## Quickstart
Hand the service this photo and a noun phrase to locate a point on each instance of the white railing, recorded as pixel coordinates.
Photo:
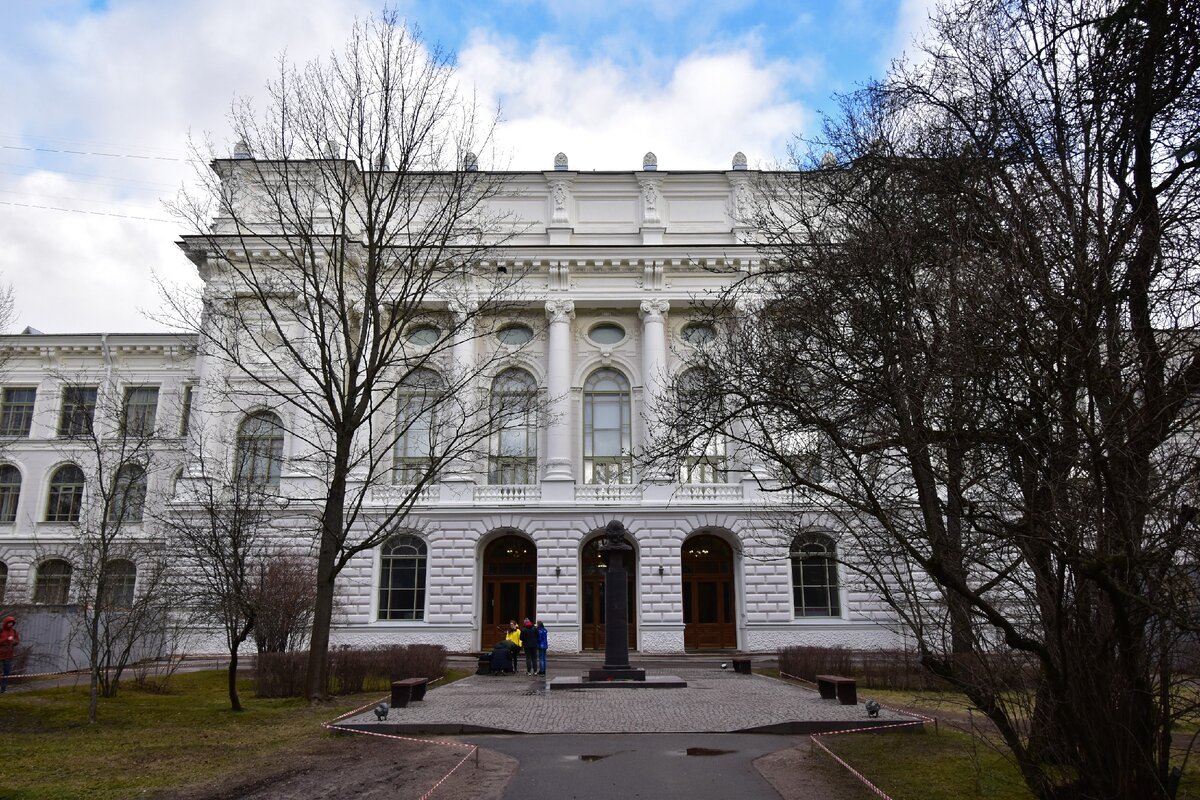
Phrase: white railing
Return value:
(709, 493)
(429, 495)
(508, 493)
(608, 493)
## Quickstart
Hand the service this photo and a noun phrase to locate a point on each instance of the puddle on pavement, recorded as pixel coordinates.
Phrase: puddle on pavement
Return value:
(707, 751)
(588, 757)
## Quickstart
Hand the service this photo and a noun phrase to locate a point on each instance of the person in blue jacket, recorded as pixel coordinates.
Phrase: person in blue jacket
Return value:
(543, 640)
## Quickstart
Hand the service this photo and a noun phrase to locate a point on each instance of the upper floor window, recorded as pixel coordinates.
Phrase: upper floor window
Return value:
(10, 492)
(66, 494)
(78, 411)
(52, 585)
(698, 333)
(141, 407)
(515, 335)
(815, 590)
(16, 410)
(260, 449)
(607, 428)
(423, 335)
(417, 401)
(129, 495)
(607, 333)
(402, 578)
(514, 445)
(185, 410)
(704, 461)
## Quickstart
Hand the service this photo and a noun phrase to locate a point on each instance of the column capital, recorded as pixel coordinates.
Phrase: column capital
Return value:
(463, 307)
(651, 309)
(560, 310)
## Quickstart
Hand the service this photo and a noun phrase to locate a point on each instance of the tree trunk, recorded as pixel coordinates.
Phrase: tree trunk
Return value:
(234, 701)
(316, 677)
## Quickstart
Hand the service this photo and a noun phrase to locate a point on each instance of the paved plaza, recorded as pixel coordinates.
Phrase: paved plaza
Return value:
(715, 701)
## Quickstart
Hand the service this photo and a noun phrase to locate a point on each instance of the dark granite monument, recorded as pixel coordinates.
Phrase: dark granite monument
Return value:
(616, 667)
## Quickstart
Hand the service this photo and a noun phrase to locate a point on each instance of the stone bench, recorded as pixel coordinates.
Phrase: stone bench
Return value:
(408, 689)
(844, 689)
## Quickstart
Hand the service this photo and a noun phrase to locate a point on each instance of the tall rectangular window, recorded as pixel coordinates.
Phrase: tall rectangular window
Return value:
(16, 410)
(185, 412)
(78, 411)
(141, 407)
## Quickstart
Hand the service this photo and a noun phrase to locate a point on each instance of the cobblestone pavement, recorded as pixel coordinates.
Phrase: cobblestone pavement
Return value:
(714, 701)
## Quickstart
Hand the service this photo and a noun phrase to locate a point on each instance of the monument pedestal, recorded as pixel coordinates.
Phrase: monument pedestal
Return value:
(625, 673)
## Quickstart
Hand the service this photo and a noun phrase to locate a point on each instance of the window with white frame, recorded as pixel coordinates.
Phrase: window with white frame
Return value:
(16, 410)
(77, 413)
(417, 401)
(65, 499)
(704, 461)
(260, 449)
(402, 578)
(815, 591)
(139, 411)
(607, 428)
(185, 410)
(119, 584)
(10, 493)
(52, 584)
(514, 445)
(129, 495)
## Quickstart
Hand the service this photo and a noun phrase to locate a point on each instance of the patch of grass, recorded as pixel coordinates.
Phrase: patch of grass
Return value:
(148, 742)
(928, 766)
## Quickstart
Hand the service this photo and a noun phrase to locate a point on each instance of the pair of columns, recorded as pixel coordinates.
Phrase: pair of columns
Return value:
(559, 313)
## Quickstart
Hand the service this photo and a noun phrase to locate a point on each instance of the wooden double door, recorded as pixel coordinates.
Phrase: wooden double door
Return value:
(509, 586)
(709, 600)
(592, 596)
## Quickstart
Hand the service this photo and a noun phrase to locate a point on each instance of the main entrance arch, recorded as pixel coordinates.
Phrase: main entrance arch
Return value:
(709, 607)
(509, 585)
(593, 572)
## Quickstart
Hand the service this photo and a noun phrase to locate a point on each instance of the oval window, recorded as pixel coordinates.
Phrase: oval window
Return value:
(697, 333)
(606, 333)
(423, 335)
(514, 335)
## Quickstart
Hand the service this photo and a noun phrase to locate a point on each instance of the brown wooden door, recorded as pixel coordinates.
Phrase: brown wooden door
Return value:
(593, 597)
(709, 607)
(509, 586)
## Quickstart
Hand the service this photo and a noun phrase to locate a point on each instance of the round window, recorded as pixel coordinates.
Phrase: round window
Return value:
(514, 335)
(697, 333)
(423, 335)
(606, 333)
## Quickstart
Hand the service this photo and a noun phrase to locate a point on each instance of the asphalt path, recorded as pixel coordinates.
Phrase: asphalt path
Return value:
(655, 766)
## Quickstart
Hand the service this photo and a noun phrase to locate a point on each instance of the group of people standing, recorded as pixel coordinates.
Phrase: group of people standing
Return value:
(533, 640)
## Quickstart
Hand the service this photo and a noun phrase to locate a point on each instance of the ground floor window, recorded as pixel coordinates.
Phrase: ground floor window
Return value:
(814, 577)
(402, 579)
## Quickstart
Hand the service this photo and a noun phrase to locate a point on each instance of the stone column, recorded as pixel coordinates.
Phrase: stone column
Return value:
(463, 346)
(654, 366)
(558, 390)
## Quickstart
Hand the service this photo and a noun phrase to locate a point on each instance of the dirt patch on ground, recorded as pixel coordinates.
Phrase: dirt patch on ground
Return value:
(804, 773)
(368, 767)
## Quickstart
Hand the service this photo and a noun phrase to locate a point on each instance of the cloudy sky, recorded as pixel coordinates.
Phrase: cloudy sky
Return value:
(98, 100)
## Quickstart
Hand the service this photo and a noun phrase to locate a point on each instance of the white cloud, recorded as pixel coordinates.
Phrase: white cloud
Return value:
(607, 117)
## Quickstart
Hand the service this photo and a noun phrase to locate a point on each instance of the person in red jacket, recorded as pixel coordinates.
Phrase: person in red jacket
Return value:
(9, 639)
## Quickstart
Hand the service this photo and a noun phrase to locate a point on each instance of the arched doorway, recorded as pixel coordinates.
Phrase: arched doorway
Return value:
(709, 608)
(593, 572)
(509, 585)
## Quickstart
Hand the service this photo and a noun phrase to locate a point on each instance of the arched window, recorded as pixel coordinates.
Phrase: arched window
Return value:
(259, 449)
(66, 494)
(814, 577)
(607, 424)
(3, 579)
(52, 586)
(419, 396)
(514, 445)
(402, 578)
(129, 495)
(10, 492)
(121, 578)
(705, 459)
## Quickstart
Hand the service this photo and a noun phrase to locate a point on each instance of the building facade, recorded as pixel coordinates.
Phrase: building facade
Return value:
(614, 266)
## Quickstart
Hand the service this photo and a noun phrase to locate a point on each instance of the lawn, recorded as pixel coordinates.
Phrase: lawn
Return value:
(145, 742)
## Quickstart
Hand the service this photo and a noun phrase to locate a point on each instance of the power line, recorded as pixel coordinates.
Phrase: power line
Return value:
(85, 211)
(94, 153)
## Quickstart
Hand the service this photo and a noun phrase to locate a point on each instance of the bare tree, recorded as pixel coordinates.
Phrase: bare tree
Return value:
(974, 349)
(345, 283)
(107, 431)
(218, 531)
(286, 597)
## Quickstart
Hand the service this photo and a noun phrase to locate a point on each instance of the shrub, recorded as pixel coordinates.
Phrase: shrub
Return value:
(350, 670)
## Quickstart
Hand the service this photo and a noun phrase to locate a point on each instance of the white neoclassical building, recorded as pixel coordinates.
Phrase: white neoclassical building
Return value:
(613, 264)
